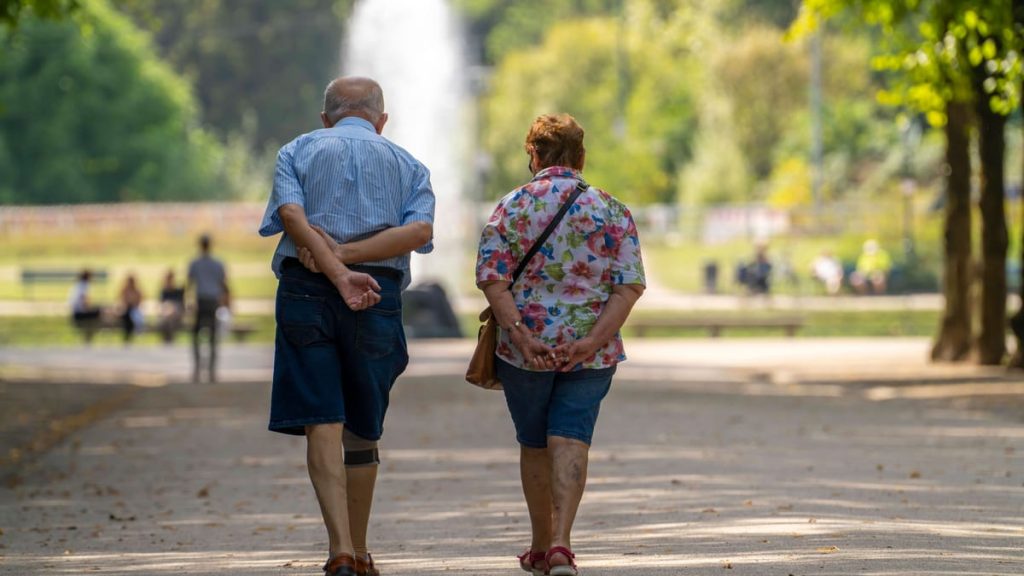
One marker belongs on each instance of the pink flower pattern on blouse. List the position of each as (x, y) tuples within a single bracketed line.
[(565, 286)]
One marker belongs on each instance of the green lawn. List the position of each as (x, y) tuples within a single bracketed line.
[(816, 324), (58, 331), (681, 266), (131, 249)]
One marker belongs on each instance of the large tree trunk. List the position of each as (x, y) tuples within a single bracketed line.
[(992, 145), (953, 342)]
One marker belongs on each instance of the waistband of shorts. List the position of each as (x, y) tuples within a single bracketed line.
[(379, 271)]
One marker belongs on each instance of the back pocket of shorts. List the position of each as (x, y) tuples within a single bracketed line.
[(377, 331), (301, 319)]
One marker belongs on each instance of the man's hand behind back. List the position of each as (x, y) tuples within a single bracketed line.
[(359, 290)]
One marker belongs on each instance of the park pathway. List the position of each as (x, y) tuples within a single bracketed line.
[(730, 457)]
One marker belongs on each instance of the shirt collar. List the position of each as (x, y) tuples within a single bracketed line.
[(558, 172), (355, 121)]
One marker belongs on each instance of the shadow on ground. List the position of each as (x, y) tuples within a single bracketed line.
[(685, 479)]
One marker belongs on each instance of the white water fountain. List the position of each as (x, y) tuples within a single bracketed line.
[(415, 50)]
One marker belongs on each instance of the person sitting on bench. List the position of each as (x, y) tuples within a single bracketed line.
[(82, 308)]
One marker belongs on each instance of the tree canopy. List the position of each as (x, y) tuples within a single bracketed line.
[(90, 114)]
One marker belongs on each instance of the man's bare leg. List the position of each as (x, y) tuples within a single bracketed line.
[(327, 472), (361, 481), (535, 472), (569, 460)]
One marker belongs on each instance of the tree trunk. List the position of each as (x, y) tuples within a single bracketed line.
[(994, 240), (953, 342)]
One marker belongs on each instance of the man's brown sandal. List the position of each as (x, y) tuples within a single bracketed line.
[(366, 567), (341, 565)]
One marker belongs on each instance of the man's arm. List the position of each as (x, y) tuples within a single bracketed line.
[(359, 290), (387, 243)]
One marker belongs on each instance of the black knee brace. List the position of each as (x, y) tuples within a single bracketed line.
[(359, 451)]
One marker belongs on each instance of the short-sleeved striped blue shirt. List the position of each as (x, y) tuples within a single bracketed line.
[(352, 183)]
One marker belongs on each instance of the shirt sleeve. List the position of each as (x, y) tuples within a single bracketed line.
[(494, 255), (628, 265), (419, 207), (287, 190)]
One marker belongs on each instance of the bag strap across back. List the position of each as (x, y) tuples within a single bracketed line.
[(580, 188)]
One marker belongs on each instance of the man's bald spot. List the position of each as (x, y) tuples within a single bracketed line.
[(353, 96)]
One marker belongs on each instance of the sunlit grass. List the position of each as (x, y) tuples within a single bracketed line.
[(32, 331), (130, 248)]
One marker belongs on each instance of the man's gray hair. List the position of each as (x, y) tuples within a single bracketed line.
[(340, 102)]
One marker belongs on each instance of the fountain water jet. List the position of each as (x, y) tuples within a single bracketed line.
[(414, 49)]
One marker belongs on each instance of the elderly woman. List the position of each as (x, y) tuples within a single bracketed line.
[(559, 339)]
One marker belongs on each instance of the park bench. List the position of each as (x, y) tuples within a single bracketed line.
[(715, 325), (239, 331), (31, 277)]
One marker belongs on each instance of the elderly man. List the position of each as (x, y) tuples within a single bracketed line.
[(352, 206)]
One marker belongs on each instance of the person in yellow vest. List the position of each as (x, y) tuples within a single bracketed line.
[(872, 272)]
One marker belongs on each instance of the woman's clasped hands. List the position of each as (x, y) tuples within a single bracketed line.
[(541, 356)]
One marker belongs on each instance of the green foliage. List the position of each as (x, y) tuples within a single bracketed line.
[(938, 50), (91, 115), (630, 83), (257, 65), (778, 13), (765, 80), (12, 11), (506, 26)]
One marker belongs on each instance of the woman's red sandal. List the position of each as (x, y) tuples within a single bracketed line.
[(533, 562), (561, 569)]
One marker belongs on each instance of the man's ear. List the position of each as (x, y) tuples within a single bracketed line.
[(327, 121), (379, 126)]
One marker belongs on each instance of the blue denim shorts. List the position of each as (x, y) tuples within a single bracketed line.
[(332, 364), (546, 404)]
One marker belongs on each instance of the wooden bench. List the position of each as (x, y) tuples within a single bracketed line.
[(714, 325), (31, 276), (239, 331)]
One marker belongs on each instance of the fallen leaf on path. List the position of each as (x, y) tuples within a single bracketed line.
[(828, 549)]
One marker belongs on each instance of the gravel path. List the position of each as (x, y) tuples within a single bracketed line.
[(697, 469)]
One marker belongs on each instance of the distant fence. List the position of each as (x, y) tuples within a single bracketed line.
[(183, 217)]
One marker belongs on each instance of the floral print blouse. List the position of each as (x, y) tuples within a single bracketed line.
[(565, 286)]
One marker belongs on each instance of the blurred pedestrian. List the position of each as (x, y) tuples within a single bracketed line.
[(85, 315), (872, 273), (756, 276), (828, 270), (82, 307), (559, 340), (172, 308), (207, 280), (130, 298)]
